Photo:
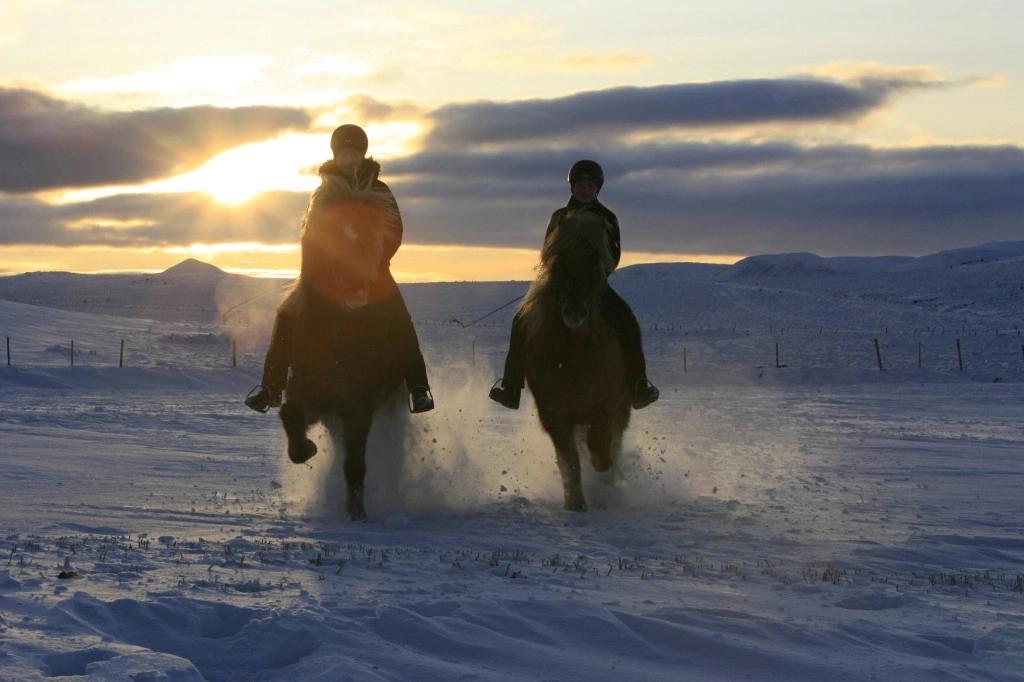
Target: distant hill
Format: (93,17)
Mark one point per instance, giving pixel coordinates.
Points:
(804,264)
(972,255)
(189,291)
(190,267)
(969,286)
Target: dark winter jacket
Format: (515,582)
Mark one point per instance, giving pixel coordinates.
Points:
(602,210)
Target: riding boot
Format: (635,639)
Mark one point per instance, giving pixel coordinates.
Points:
(261,398)
(508,389)
(420,399)
(275,369)
(644,393)
(506,394)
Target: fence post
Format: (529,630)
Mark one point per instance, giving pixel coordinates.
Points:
(120,358)
(878,355)
(959,356)
(234,353)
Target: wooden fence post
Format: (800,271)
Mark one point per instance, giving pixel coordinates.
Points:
(959,356)
(234,353)
(120,358)
(878,355)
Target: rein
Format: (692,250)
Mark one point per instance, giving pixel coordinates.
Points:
(466,325)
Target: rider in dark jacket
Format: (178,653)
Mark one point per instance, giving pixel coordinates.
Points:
(585,180)
(351,170)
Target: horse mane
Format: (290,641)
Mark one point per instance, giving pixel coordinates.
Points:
(336,192)
(575,231)
(365,201)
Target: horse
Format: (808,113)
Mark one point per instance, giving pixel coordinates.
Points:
(574,361)
(342,366)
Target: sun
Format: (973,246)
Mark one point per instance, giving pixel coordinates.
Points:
(237,175)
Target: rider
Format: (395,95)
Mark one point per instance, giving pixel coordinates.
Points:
(350,169)
(585,180)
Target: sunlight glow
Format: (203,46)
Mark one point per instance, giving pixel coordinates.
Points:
(199,249)
(107,223)
(199,73)
(237,175)
(231,178)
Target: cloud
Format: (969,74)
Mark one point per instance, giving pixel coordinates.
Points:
(625,110)
(49,143)
(546,61)
(865,71)
(198,73)
(364,107)
(729,197)
(152,220)
(342,65)
(493,183)
(724,198)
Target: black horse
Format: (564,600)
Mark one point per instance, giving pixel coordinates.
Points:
(342,363)
(574,360)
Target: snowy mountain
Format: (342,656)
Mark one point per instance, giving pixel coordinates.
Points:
(809,264)
(965,287)
(190,290)
(190,267)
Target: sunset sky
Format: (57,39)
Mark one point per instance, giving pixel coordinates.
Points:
(136,134)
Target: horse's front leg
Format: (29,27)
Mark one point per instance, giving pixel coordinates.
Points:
(296,420)
(569,466)
(356,431)
(604,437)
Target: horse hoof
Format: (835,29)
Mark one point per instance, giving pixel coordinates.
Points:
(302,453)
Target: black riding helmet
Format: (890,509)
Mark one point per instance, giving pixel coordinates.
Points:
(349,136)
(585,169)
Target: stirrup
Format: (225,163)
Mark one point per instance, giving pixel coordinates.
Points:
(258,399)
(644,393)
(505,396)
(420,399)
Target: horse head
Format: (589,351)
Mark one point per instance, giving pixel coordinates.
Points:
(575,261)
(343,247)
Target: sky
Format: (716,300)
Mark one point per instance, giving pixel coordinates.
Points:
(133,136)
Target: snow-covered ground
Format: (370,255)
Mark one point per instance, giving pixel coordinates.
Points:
(819,520)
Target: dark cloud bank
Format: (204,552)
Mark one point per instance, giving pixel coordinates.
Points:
(48,143)
(626,109)
(491,173)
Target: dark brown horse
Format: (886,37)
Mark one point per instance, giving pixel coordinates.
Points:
(342,366)
(574,361)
